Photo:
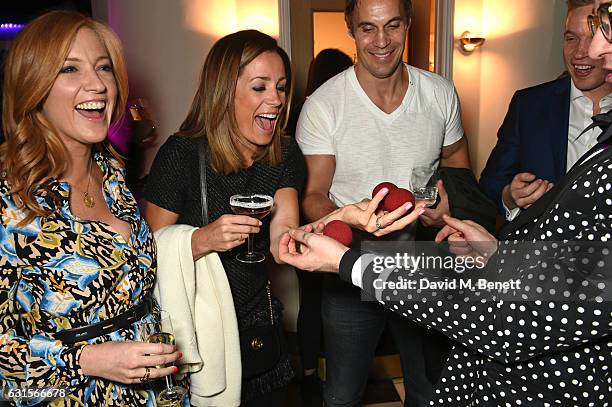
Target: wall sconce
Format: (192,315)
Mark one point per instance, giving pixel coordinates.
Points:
(470,43)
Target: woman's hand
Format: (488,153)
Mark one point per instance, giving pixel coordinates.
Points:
(467,238)
(309,227)
(310,251)
(223,234)
(365,215)
(128,362)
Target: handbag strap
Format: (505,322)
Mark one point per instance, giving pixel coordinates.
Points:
(270,302)
(202,149)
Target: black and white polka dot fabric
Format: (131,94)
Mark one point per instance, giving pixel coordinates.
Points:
(549,343)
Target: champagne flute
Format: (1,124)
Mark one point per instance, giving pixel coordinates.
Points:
(159,330)
(256,206)
(423,184)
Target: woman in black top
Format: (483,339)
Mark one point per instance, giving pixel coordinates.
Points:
(239,112)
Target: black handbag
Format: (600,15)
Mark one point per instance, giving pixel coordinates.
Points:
(260,346)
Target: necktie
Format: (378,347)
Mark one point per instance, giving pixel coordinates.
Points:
(604,122)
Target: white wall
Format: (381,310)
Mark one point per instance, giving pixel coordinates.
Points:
(166,42)
(163,56)
(524,40)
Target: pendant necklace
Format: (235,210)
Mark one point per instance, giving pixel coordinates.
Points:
(89,200)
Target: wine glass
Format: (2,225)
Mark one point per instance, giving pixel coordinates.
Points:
(159,330)
(256,206)
(423,184)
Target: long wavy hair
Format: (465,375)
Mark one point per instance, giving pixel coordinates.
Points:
(33,153)
(212,113)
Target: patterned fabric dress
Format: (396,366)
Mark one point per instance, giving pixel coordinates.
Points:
(63,272)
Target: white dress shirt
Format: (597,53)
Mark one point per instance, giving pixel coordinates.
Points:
(580,114)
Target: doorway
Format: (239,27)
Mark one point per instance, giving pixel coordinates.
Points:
(319,24)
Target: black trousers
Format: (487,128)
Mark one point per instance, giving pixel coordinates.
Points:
(309,324)
(276,398)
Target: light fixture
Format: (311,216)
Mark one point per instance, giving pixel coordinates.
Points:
(469,43)
(8,31)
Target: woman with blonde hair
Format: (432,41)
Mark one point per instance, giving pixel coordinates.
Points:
(234,129)
(78,261)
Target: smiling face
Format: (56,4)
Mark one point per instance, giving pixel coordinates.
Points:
(259,98)
(379,29)
(587,74)
(81,102)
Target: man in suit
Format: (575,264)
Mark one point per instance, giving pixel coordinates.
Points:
(538,140)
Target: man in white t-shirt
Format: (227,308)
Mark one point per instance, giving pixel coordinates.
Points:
(371,123)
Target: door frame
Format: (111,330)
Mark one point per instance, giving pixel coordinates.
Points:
(445,38)
(444,43)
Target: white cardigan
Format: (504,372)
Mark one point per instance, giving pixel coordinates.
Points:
(198,298)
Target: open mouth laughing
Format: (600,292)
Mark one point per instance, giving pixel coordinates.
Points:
(583,70)
(266,121)
(92,110)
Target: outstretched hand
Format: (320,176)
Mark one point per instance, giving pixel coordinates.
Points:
(366,216)
(467,238)
(315,252)
(310,251)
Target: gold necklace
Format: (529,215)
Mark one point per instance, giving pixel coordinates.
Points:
(89,200)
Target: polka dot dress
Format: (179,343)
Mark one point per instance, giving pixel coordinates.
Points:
(549,343)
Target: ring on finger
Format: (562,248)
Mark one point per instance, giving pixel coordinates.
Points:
(146,376)
(378,225)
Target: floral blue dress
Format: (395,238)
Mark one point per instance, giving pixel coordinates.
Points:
(63,272)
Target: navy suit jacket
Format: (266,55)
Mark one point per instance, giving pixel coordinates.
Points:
(532,138)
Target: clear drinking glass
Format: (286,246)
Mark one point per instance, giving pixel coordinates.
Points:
(423,184)
(159,330)
(256,206)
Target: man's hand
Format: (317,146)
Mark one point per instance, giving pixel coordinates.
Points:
(433,217)
(524,190)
